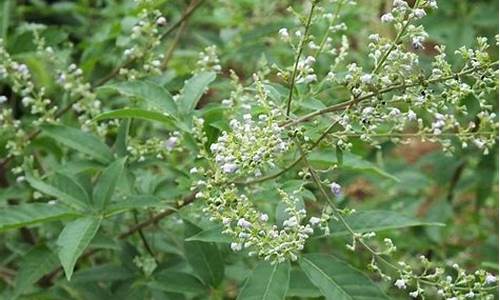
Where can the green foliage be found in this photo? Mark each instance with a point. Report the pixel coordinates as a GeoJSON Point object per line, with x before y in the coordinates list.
{"type": "Point", "coordinates": [190, 150]}
{"type": "Point", "coordinates": [337, 280]}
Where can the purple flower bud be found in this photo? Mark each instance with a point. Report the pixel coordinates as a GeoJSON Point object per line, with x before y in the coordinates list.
{"type": "Point", "coordinates": [171, 142]}
{"type": "Point", "coordinates": [244, 223]}
{"type": "Point", "coordinates": [336, 189]}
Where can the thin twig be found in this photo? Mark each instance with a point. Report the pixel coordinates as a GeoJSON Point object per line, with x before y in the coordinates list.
{"type": "Point", "coordinates": [299, 54]}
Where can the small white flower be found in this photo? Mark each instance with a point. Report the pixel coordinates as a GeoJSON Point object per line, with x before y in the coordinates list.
{"type": "Point", "coordinates": [314, 221]}
{"type": "Point", "coordinates": [3, 99]}
{"type": "Point", "coordinates": [291, 222]}
{"type": "Point", "coordinates": [414, 294]}
{"type": "Point", "coordinates": [411, 115]}
{"type": "Point", "coordinates": [229, 167]}
{"type": "Point", "coordinates": [244, 223]}
{"type": "Point", "coordinates": [161, 21]}
{"type": "Point", "coordinates": [236, 247]}
{"type": "Point", "coordinates": [387, 18]}
{"type": "Point", "coordinates": [309, 61]}
{"type": "Point", "coordinates": [490, 279]}
{"type": "Point", "coordinates": [193, 170]}
{"type": "Point", "coordinates": [399, 3]}
{"type": "Point", "coordinates": [171, 142]}
{"type": "Point", "coordinates": [374, 37]}
{"type": "Point", "coordinates": [367, 111]}
{"type": "Point", "coordinates": [400, 284]}
{"type": "Point", "coordinates": [394, 112]}
{"type": "Point", "coordinates": [310, 78]}
{"type": "Point", "coordinates": [366, 78]}
{"type": "Point", "coordinates": [283, 32]}
{"type": "Point", "coordinates": [419, 13]}
{"type": "Point", "coordinates": [264, 217]}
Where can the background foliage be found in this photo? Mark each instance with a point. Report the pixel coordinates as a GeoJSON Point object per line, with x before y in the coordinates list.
{"type": "Point", "coordinates": [173, 256]}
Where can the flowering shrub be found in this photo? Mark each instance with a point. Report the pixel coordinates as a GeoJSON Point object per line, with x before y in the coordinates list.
{"type": "Point", "coordinates": [247, 149]}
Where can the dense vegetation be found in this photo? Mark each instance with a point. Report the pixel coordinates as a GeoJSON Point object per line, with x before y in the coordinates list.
{"type": "Point", "coordinates": [249, 149]}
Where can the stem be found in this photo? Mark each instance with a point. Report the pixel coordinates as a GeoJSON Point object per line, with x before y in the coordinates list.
{"type": "Point", "coordinates": [379, 256]}
{"type": "Point", "coordinates": [301, 157]}
{"type": "Point", "coordinates": [299, 54]}
{"type": "Point", "coordinates": [332, 21]}
{"type": "Point", "coordinates": [394, 43]}
{"type": "Point", "coordinates": [347, 102]}
{"type": "Point", "coordinates": [144, 240]}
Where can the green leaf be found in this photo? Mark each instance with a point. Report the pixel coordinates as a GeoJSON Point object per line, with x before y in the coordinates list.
{"type": "Point", "coordinates": [155, 96]}
{"type": "Point", "coordinates": [105, 186]}
{"type": "Point", "coordinates": [78, 140]}
{"type": "Point", "coordinates": [204, 258]}
{"type": "Point", "coordinates": [16, 216]}
{"type": "Point", "coordinates": [267, 282]}
{"type": "Point", "coordinates": [177, 282]}
{"type": "Point", "coordinates": [6, 8]}
{"type": "Point", "coordinates": [301, 286]}
{"type": "Point", "coordinates": [36, 263]}
{"type": "Point", "coordinates": [70, 185]}
{"type": "Point", "coordinates": [134, 202]}
{"type": "Point", "coordinates": [376, 220]}
{"type": "Point", "coordinates": [60, 195]}
{"type": "Point", "coordinates": [213, 234]}
{"type": "Point", "coordinates": [340, 156]}
{"type": "Point", "coordinates": [73, 240]}
{"type": "Point", "coordinates": [121, 138]}
{"type": "Point", "coordinates": [357, 163]}
{"type": "Point", "coordinates": [103, 273]}
{"type": "Point", "coordinates": [193, 89]}
{"type": "Point", "coordinates": [337, 280]}
{"type": "Point", "coordinates": [138, 113]}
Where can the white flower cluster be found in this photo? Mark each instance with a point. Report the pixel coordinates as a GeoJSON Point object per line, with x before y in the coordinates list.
{"type": "Point", "coordinates": [250, 144]}
{"type": "Point", "coordinates": [34, 100]}
{"type": "Point", "coordinates": [144, 38]}
{"type": "Point", "coordinates": [396, 96]}
{"type": "Point", "coordinates": [86, 105]}
{"type": "Point", "coordinates": [208, 60]}
{"type": "Point", "coordinates": [154, 147]}
{"type": "Point", "coordinates": [251, 229]}
{"type": "Point", "coordinates": [462, 286]}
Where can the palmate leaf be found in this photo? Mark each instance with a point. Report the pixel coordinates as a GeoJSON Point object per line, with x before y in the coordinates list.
{"type": "Point", "coordinates": [204, 258]}
{"type": "Point", "coordinates": [267, 282]}
{"type": "Point", "coordinates": [80, 141]}
{"type": "Point", "coordinates": [337, 280]}
{"type": "Point", "coordinates": [73, 240]}
{"type": "Point", "coordinates": [154, 95]}
{"type": "Point", "coordinates": [16, 216]}
{"type": "Point", "coordinates": [193, 89]}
